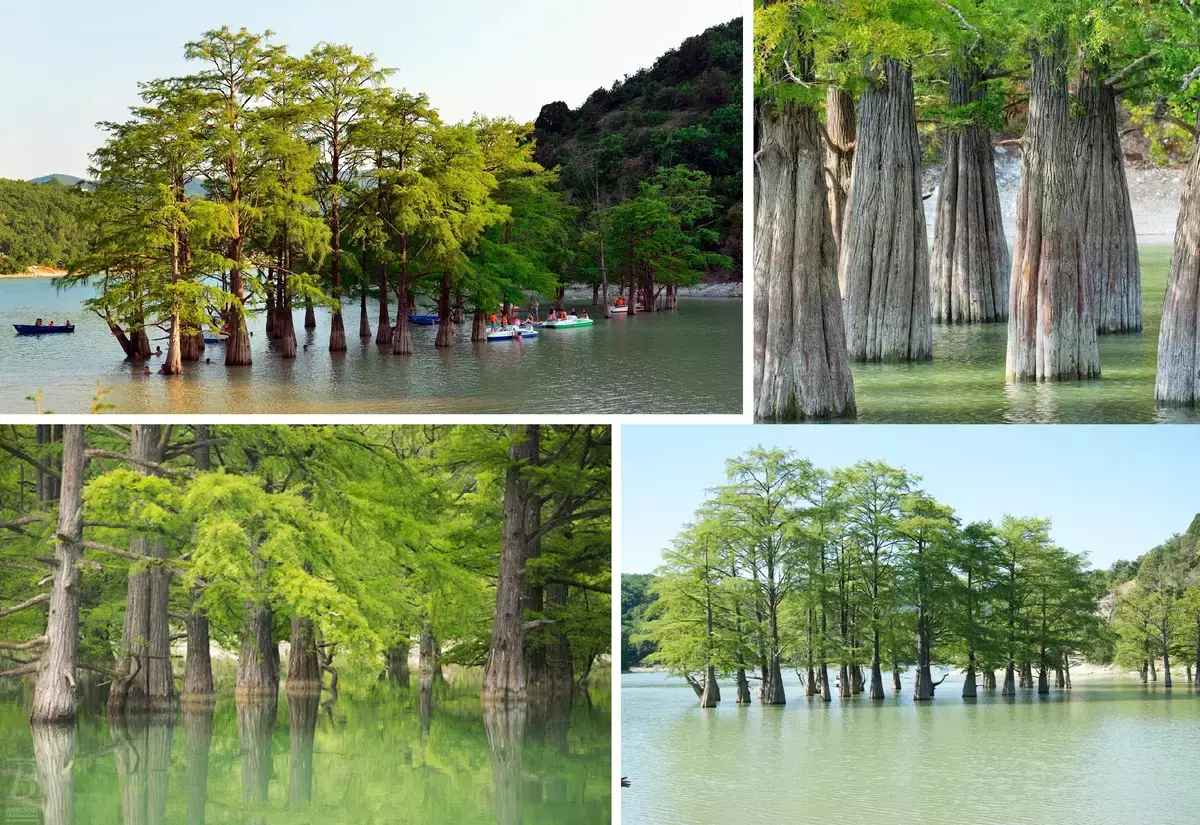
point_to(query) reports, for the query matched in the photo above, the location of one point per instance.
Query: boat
(618, 309)
(424, 320)
(511, 333)
(211, 340)
(42, 329)
(568, 323)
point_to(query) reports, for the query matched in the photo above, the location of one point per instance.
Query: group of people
(38, 323)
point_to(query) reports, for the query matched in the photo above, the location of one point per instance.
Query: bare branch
(20, 671)
(32, 643)
(1113, 80)
(8, 611)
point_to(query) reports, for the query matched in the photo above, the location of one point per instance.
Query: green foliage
(39, 224)
(636, 599)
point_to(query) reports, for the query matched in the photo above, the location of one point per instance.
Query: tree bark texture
(1177, 382)
(504, 673)
(801, 368)
(1110, 242)
(969, 270)
(54, 758)
(1051, 327)
(445, 333)
(258, 656)
(304, 672)
(842, 129)
(884, 264)
(396, 662)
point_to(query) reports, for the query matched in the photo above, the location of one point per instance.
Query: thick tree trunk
(710, 696)
(801, 368)
(1051, 326)
(884, 266)
(743, 687)
(139, 345)
(258, 656)
(505, 730)
(504, 673)
(197, 737)
(1010, 688)
(969, 270)
(445, 333)
(192, 345)
(427, 661)
(989, 679)
(478, 327)
(968, 690)
(839, 159)
(1110, 242)
(459, 315)
(876, 674)
(1166, 660)
(559, 665)
(402, 336)
(364, 323)
(145, 683)
(173, 363)
(1178, 379)
(396, 662)
(197, 671)
(310, 315)
(302, 730)
(304, 672)
(896, 677)
(383, 332)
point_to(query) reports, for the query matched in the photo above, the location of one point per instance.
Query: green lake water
(1104, 753)
(430, 757)
(688, 361)
(964, 384)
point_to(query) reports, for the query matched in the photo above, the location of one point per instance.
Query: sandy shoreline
(36, 272)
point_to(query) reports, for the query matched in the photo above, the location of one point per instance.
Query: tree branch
(1113, 80)
(38, 642)
(20, 671)
(8, 611)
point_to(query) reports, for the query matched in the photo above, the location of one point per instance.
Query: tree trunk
(801, 368)
(145, 683)
(969, 270)
(258, 656)
(364, 324)
(255, 721)
(383, 333)
(559, 664)
(197, 672)
(304, 672)
(884, 265)
(1166, 658)
(505, 730)
(504, 673)
(310, 316)
(743, 687)
(968, 690)
(989, 679)
(839, 159)
(396, 661)
(1178, 379)
(1009, 688)
(460, 311)
(896, 677)
(173, 363)
(876, 674)
(445, 333)
(1110, 242)
(427, 651)
(54, 689)
(478, 327)
(1051, 327)
(302, 730)
(402, 337)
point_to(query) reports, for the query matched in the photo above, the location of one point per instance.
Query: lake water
(964, 384)
(1106, 752)
(688, 361)
(402, 757)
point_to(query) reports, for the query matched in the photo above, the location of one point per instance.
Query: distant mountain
(65, 180)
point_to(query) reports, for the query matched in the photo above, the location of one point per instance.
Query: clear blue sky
(1112, 492)
(67, 64)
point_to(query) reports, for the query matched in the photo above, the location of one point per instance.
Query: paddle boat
(424, 320)
(568, 322)
(210, 340)
(616, 310)
(511, 333)
(42, 329)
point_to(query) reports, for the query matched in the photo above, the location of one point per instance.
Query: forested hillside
(39, 224)
(684, 110)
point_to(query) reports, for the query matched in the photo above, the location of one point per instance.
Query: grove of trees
(851, 97)
(852, 575)
(478, 545)
(39, 224)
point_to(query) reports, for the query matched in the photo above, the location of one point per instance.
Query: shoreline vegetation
(854, 576)
(266, 182)
(36, 271)
(844, 91)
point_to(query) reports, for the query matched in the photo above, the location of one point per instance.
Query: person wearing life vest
(492, 320)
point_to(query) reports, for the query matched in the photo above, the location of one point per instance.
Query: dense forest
(856, 572)
(125, 552)
(39, 224)
(846, 90)
(684, 110)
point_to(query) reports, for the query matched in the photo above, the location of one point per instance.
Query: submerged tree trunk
(969, 270)
(197, 670)
(968, 690)
(1051, 327)
(258, 656)
(478, 327)
(54, 688)
(310, 316)
(255, 721)
(1110, 242)
(884, 266)
(1177, 382)
(302, 729)
(402, 335)
(743, 687)
(504, 673)
(839, 158)
(801, 368)
(427, 651)
(1010, 687)
(197, 739)
(383, 332)
(304, 672)
(396, 662)
(876, 673)
(445, 333)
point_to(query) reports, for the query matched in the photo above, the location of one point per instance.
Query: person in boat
(583, 314)
(51, 323)
(533, 308)
(38, 322)
(492, 321)
(68, 322)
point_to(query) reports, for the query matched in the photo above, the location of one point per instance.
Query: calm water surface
(964, 384)
(407, 757)
(679, 362)
(1104, 753)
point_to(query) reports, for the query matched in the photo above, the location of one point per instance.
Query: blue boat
(423, 320)
(209, 340)
(41, 329)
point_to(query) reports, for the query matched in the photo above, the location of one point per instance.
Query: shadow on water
(395, 754)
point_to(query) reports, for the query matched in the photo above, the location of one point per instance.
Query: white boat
(617, 309)
(511, 333)
(567, 323)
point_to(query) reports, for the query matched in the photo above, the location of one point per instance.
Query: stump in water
(1178, 379)
(1051, 330)
(1110, 242)
(884, 264)
(839, 157)
(969, 270)
(801, 369)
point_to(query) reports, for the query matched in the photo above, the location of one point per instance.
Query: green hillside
(38, 224)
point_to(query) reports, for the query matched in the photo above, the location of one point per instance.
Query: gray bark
(304, 672)
(969, 270)
(884, 266)
(801, 368)
(842, 130)
(258, 656)
(1051, 327)
(1178, 379)
(1110, 242)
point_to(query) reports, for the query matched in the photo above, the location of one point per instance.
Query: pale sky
(66, 64)
(1112, 492)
